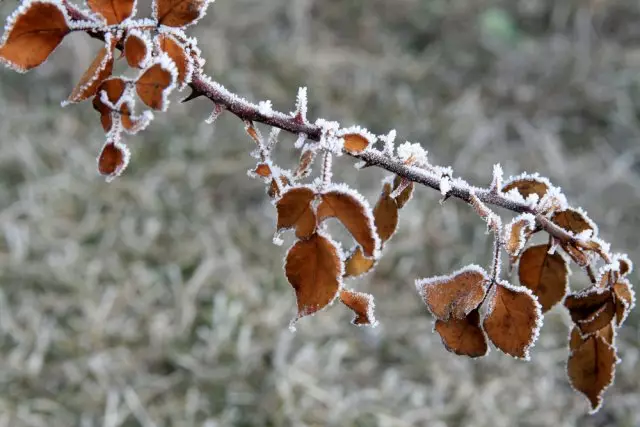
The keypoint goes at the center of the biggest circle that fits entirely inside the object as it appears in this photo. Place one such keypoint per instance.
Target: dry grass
(159, 299)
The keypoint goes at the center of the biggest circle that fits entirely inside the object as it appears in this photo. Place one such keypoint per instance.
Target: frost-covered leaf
(113, 11)
(179, 13)
(591, 309)
(513, 319)
(404, 190)
(314, 269)
(527, 184)
(295, 211)
(362, 305)
(113, 159)
(156, 82)
(385, 214)
(357, 264)
(625, 299)
(355, 143)
(463, 336)
(591, 368)
(518, 232)
(575, 221)
(578, 255)
(304, 165)
(137, 49)
(98, 71)
(178, 55)
(455, 295)
(277, 185)
(32, 33)
(350, 208)
(114, 89)
(547, 275)
(263, 170)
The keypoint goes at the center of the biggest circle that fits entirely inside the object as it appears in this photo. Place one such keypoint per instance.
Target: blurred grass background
(159, 299)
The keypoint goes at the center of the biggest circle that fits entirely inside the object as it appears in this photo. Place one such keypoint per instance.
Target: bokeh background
(160, 300)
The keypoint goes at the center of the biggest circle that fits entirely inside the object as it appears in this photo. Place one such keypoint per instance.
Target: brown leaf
(179, 13)
(517, 233)
(136, 49)
(32, 33)
(295, 211)
(155, 83)
(361, 304)
(547, 275)
(591, 309)
(113, 159)
(575, 221)
(578, 255)
(355, 143)
(98, 71)
(455, 295)
(306, 161)
(178, 55)
(527, 185)
(357, 264)
(463, 336)
(407, 192)
(275, 187)
(353, 212)
(591, 368)
(114, 87)
(313, 267)
(114, 11)
(513, 319)
(263, 170)
(385, 215)
(625, 299)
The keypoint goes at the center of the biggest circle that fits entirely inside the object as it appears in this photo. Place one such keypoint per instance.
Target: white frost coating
(619, 259)
(445, 185)
(535, 333)
(265, 108)
(413, 153)
(147, 44)
(277, 239)
(302, 137)
(553, 201)
(428, 282)
(217, 111)
(522, 224)
(21, 10)
(368, 212)
(273, 138)
(140, 122)
(301, 104)
(338, 248)
(328, 139)
(388, 140)
(167, 64)
(536, 177)
(496, 181)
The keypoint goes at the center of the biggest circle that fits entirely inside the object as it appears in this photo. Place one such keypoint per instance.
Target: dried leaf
(575, 221)
(625, 299)
(32, 33)
(361, 304)
(178, 55)
(295, 211)
(576, 338)
(114, 11)
(113, 159)
(527, 185)
(355, 143)
(275, 187)
(353, 212)
(578, 255)
(518, 232)
(385, 215)
(314, 269)
(406, 194)
(591, 368)
(513, 319)
(263, 170)
(547, 275)
(463, 336)
(98, 71)
(357, 264)
(306, 161)
(591, 309)
(137, 49)
(155, 83)
(179, 13)
(455, 295)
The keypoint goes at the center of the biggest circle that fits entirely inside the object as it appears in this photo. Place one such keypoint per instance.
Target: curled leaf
(357, 264)
(314, 269)
(455, 295)
(463, 336)
(518, 232)
(362, 305)
(513, 319)
(32, 33)
(98, 71)
(295, 211)
(178, 55)
(404, 188)
(547, 275)
(137, 49)
(385, 215)
(528, 184)
(591, 309)
(625, 299)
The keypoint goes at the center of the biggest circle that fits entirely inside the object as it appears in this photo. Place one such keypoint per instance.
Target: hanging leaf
(385, 215)
(113, 11)
(354, 213)
(575, 221)
(361, 304)
(179, 13)
(463, 336)
(518, 232)
(295, 211)
(625, 300)
(591, 309)
(314, 269)
(547, 275)
(591, 368)
(32, 33)
(357, 264)
(513, 319)
(527, 184)
(113, 159)
(114, 88)
(137, 49)
(275, 187)
(156, 82)
(406, 194)
(98, 71)
(454, 295)
(178, 55)
(306, 161)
